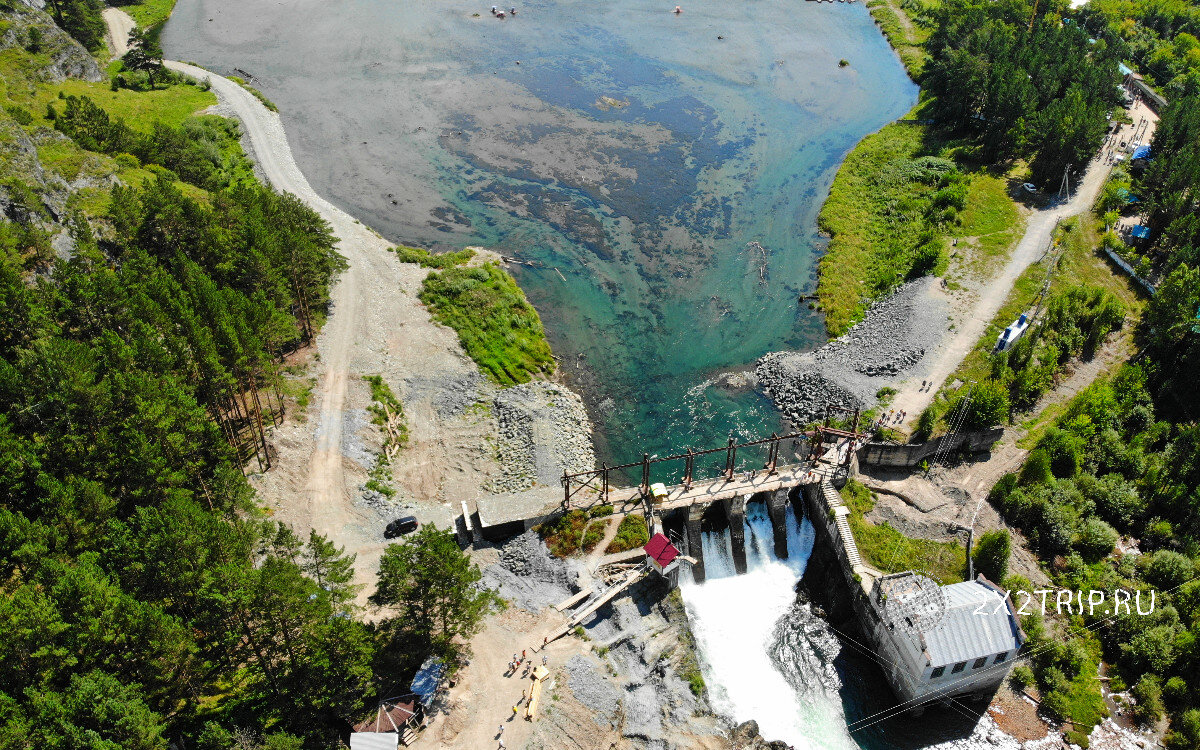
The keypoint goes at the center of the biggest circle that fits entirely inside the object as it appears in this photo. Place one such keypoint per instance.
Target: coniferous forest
(145, 598)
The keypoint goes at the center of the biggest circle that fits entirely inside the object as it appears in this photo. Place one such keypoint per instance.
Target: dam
(933, 643)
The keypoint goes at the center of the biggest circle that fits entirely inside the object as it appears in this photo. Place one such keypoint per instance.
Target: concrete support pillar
(778, 508)
(695, 549)
(735, 513)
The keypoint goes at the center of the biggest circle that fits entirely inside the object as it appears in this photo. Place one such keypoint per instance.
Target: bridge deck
(706, 491)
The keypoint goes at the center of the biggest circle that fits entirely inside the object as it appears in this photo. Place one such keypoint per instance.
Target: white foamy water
(767, 658)
(735, 620)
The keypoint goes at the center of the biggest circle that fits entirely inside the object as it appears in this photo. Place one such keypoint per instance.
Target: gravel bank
(896, 335)
(593, 690)
(528, 576)
(543, 429)
(631, 687)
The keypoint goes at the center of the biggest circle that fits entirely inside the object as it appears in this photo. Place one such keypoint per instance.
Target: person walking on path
(522, 654)
(500, 732)
(544, 660)
(502, 745)
(522, 696)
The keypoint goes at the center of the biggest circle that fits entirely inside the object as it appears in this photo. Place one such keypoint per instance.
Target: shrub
(1148, 694)
(1169, 569)
(1052, 679)
(566, 534)
(1115, 499)
(1185, 731)
(426, 259)
(929, 260)
(1054, 531)
(631, 534)
(1175, 691)
(989, 406)
(991, 555)
(926, 422)
(1096, 539)
(19, 113)
(497, 326)
(1036, 469)
(1158, 533)
(1056, 706)
(1065, 450)
(1021, 677)
(1002, 489)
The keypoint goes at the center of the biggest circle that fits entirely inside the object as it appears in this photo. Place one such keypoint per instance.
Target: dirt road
(971, 323)
(376, 325)
(119, 25)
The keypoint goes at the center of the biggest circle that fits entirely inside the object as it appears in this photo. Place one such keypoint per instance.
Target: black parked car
(400, 526)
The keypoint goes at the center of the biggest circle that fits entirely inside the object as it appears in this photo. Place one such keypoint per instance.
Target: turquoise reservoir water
(630, 156)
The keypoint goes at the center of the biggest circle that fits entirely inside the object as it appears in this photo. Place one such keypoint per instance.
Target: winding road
(325, 489)
(376, 325)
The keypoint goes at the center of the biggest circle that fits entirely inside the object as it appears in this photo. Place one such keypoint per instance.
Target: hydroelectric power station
(933, 642)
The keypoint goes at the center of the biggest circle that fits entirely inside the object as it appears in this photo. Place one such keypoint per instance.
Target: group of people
(498, 12)
(514, 666)
(892, 417)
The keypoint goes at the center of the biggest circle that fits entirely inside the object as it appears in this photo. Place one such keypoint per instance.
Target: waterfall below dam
(764, 656)
(767, 657)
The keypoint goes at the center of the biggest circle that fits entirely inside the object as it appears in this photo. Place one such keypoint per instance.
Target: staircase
(833, 501)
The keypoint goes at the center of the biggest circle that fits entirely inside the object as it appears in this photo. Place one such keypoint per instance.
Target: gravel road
(376, 326)
(907, 337)
(971, 323)
(119, 25)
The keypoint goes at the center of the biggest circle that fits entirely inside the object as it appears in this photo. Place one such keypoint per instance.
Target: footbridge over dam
(677, 502)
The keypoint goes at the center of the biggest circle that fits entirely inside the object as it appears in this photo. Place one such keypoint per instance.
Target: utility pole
(1064, 190)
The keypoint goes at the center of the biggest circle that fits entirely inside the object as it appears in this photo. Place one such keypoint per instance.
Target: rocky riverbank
(543, 429)
(628, 678)
(898, 333)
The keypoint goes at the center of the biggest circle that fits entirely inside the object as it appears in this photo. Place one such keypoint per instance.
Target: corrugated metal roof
(977, 623)
(661, 550)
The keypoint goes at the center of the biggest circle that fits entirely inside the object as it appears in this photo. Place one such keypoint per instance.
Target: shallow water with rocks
(660, 175)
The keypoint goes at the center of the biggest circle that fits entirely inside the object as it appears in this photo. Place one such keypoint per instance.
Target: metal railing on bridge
(600, 480)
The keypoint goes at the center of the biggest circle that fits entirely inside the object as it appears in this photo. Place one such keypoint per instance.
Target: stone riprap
(890, 343)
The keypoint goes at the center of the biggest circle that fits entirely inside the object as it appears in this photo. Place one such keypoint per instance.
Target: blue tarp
(1141, 152)
(1125, 70)
(429, 676)
(1140, 232)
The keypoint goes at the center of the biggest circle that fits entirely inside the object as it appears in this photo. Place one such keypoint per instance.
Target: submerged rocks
(886, 346)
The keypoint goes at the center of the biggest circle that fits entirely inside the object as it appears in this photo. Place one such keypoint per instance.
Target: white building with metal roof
(944, 641)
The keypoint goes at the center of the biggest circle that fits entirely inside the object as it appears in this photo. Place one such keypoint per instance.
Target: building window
(936, 673)
(1001, 657)
(958, 667)
(979, 662)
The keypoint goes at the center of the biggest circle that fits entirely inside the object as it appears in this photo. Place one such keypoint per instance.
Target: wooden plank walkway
(568, 603)
(595, 604)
